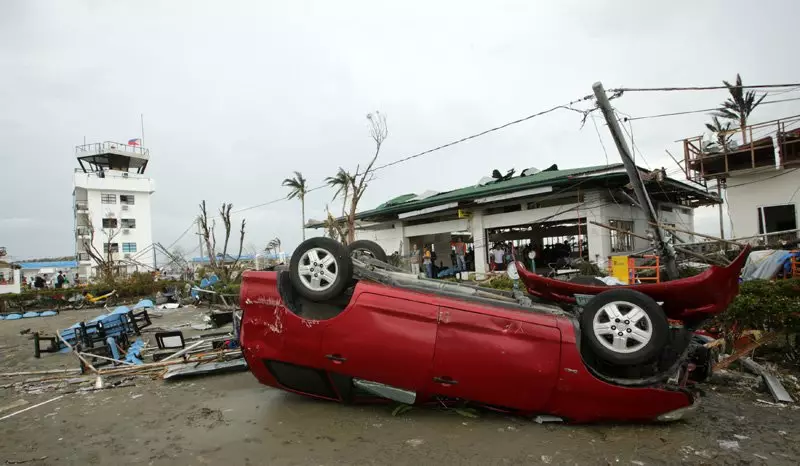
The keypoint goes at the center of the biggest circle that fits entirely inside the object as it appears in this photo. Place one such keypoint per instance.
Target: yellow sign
(619, 268)
(464, 214)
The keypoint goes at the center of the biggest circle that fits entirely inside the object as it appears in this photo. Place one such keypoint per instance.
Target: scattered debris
(547, 459)
(415, 442)
(541, 419)
(185, 370)
(729, 444)
(775, 387)
(41, 458)
(31, 407)
(740, 437)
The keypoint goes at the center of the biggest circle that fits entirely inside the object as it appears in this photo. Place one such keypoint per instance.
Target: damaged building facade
(540, 207)
(760, 177)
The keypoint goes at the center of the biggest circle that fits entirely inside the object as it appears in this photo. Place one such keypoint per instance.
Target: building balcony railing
(704, 159)
(83, 257)
(106, 147)
(81, 206)
(83, 232)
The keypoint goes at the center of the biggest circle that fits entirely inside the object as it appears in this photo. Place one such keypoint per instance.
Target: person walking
(427, 260)
(497, 254)
(415, 260)
(461, 253)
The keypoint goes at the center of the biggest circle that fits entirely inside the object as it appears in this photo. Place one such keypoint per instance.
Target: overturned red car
(341, 324)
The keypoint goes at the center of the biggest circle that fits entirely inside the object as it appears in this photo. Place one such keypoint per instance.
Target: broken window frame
(128, 223)
(762, 212)
(114, 247)
(622, 242)
(108, 223)
(127, 199)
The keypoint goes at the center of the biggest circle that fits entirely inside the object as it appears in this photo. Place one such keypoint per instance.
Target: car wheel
(624, 326)
(320, 269)
(369, 248)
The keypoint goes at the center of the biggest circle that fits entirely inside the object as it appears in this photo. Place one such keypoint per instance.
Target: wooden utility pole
(664, 249)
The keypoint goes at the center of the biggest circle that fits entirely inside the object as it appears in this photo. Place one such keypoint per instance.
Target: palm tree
(342, 181)
(739, 105)
(298, 190)
(721, 130)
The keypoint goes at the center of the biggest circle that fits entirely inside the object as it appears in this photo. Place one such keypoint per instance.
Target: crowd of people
(43, 281)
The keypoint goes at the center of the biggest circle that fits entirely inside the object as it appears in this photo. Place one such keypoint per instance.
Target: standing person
(415, 259)
(77, 280)
(59, 280)
(427, 260)
(461, 253)
(39, 282)
(498, 257)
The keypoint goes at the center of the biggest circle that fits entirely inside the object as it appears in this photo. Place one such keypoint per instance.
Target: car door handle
(445, 380)
(336, 358)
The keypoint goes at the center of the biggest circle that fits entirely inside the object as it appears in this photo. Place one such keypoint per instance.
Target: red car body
(691, 299)
(438, 346)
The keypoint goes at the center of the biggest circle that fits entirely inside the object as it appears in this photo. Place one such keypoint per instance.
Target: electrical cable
(698, 88)
(704, 110)
(566, 106)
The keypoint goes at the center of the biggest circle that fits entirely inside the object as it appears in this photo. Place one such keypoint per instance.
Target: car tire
(320, 269)
(618, 340)
(370, 247)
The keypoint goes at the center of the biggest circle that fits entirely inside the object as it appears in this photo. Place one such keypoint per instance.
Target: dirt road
(231, 419)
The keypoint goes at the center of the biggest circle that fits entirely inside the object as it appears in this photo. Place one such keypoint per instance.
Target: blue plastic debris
(13, 316)
(30, 314)
(48, 314)
(143, 304)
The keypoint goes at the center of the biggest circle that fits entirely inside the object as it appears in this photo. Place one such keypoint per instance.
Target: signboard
(619, 268)
(464, 214)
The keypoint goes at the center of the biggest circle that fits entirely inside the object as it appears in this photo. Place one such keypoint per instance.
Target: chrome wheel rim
(318, 269)
(622, 327)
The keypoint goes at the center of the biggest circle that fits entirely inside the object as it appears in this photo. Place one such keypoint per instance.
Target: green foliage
(137, 286)
(771, 305)
(501, 282)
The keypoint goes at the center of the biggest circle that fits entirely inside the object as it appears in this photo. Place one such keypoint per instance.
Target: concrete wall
(746, 193)
(390, 236)
(11, 287)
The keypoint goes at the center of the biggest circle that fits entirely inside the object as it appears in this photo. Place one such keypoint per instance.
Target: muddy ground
(231, 419)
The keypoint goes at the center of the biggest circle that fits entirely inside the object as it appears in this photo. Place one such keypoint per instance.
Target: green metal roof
(401, 204)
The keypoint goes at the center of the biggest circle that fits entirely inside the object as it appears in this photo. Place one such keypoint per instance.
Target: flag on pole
(134, 142)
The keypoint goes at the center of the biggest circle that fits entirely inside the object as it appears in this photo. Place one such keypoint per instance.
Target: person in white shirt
(497, 258)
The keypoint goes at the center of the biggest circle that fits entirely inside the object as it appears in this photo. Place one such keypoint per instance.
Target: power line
(765, 179)
(600, 138)
(704, 110)
(697, 88)
(566, 106)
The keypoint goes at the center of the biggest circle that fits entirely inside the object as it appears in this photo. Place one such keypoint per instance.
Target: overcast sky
(237, 95)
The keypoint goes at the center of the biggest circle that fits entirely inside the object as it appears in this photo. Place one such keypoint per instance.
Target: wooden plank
(745, 351)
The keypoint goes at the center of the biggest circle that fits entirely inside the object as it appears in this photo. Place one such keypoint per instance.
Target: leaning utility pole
(664, 249)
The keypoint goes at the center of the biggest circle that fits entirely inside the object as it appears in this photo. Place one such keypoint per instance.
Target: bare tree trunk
(743, 127)
(303, 215)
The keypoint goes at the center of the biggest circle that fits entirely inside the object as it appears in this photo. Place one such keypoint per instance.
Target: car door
(495, 360)
(382, 338)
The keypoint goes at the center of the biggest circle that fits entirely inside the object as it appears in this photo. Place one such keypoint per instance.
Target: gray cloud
(236, 95)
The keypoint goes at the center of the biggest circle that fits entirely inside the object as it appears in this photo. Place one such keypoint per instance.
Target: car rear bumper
(680, 413)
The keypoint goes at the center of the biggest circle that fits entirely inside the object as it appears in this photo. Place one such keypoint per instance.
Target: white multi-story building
(112, 206)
